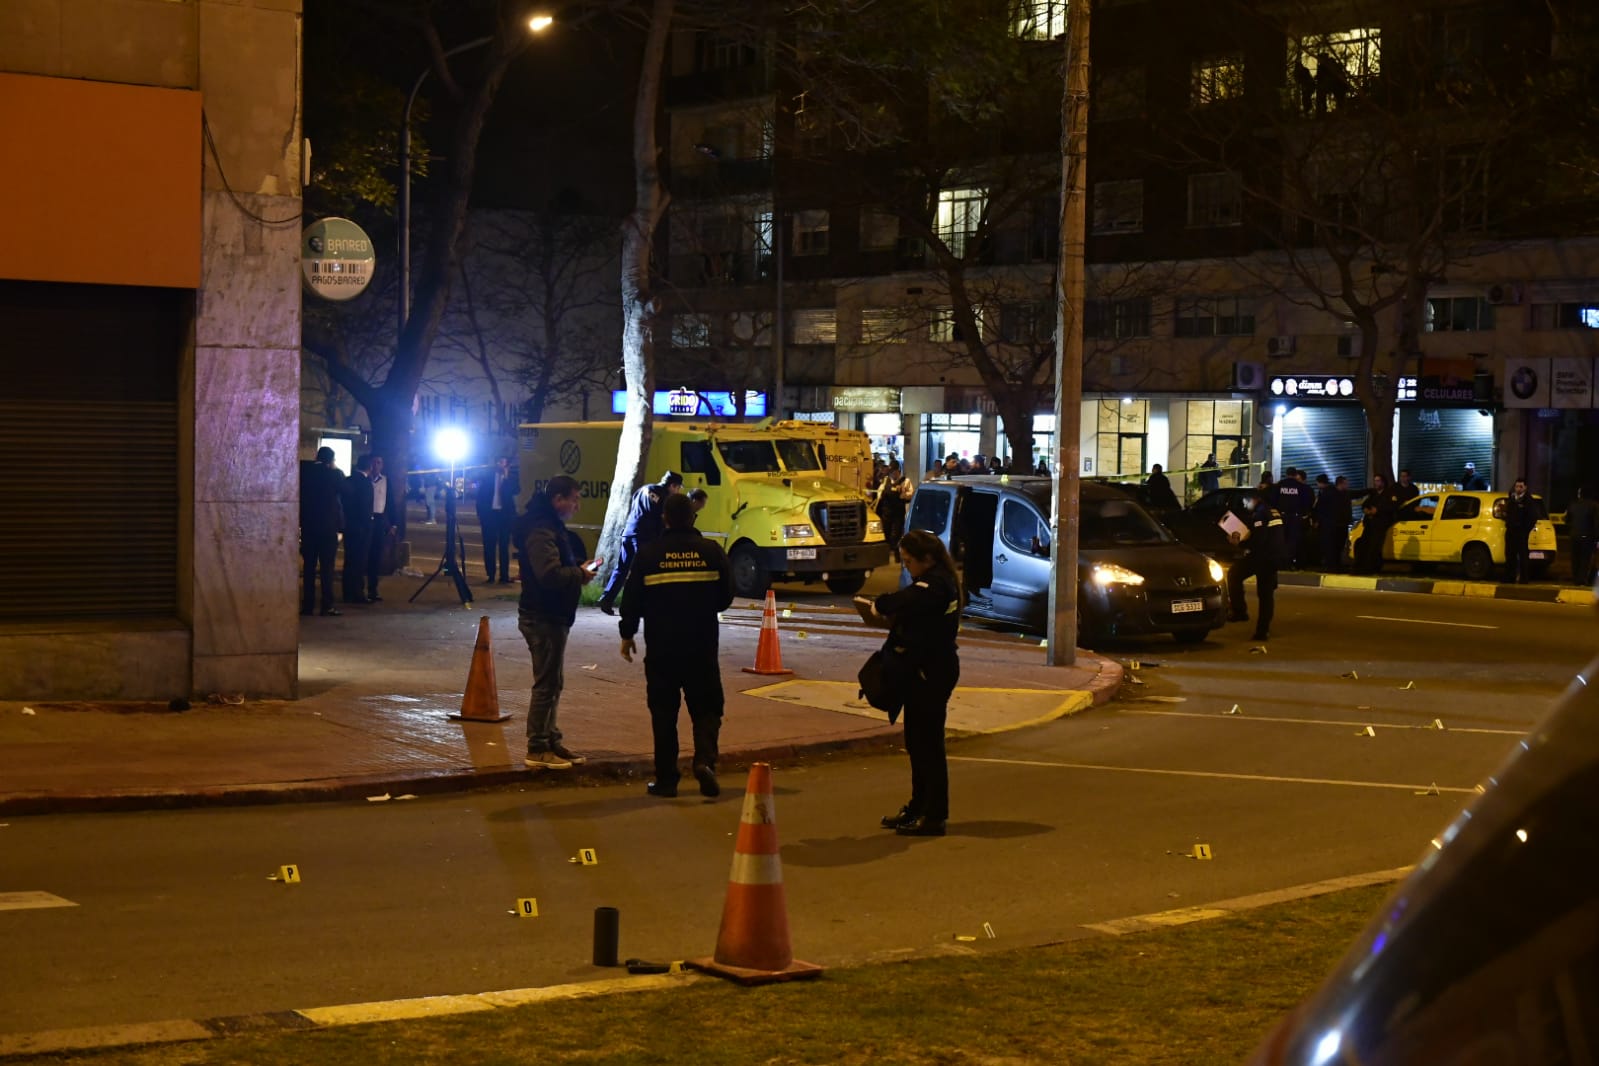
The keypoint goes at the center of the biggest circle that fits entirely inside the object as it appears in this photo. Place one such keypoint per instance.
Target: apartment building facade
(1212, 323)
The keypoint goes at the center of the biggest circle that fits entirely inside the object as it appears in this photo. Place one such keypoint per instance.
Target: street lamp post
(535, 24)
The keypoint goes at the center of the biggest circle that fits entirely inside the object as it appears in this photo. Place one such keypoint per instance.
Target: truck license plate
(1535, 555)
(802, 553)
(1187, 606)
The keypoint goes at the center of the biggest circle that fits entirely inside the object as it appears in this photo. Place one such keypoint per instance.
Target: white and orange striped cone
(768, 653)
(481, 701)
(752, 947)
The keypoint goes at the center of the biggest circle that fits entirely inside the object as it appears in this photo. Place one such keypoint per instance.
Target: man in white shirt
(380, 528)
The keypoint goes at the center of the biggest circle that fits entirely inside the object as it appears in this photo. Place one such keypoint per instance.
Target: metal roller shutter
(89, 451)
(1326, 440)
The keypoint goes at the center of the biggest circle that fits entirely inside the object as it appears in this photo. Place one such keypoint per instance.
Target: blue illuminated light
(711, 404)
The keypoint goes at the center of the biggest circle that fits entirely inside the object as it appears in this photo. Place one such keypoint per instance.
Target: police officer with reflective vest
(643, 525)
(678, 585)
(1265, 540)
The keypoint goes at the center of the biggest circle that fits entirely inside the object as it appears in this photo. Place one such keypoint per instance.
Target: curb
(1488, 590)
(1102, 688)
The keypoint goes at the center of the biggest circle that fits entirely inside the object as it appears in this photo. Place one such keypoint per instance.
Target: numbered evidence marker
(588, 857)
(527, 908)
(1201, 851)
(289, 874)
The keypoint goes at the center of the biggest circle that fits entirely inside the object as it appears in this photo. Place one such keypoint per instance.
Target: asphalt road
(1084, 820)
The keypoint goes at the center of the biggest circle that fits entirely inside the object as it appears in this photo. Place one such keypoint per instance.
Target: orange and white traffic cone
(768, 654)
(753, 947)
(481, 701)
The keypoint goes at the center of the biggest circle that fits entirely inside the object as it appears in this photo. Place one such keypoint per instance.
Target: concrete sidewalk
(379, 682)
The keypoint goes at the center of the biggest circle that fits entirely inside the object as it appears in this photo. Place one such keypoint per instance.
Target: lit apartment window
(1326, 68)
(1119, 206)
(1214, 316)
(884, 325)
(810, 232)
(1565, 316)
(1456, 314)
(1116, 319)
(1218, 78)
(1214, 200)
(941, 328)
(814, 325)
(691, 331)
(1039, 20)
(959, 212)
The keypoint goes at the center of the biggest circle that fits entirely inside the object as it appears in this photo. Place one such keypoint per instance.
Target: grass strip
(1190, 995)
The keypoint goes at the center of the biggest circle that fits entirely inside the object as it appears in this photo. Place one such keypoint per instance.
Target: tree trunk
(1016, 408)
(638, 296)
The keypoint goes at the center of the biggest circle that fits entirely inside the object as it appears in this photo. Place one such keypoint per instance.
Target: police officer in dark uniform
(1261, 561)
(643, 526)
(678, 585)
(1293, 502)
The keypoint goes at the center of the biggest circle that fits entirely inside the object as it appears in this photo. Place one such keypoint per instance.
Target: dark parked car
(1134, 578)
(1488, 952)
(1196, 525)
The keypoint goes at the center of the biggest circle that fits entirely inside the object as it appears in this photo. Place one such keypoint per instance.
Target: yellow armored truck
(770, 503)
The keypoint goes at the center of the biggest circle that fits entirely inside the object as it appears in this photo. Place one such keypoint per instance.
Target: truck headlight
(874, 526)
(1111, 574)
(802, 531)
(1217, 572)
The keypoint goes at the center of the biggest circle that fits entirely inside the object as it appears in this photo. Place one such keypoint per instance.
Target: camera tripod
(448, 564)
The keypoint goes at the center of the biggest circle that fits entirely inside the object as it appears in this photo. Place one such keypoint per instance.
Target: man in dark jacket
(496, 511)
(553, 576)
(1161, 497)
(1522, 512)
(1332, 523)
(1471, 481)
(643, 526)
(321, 519)
(1293, 502)
(1582, 523)
(1380, 510)
(357, 501)
(1406, 489)
(1261, 561)
(678, 585)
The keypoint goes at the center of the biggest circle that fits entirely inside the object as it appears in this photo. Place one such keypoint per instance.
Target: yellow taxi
(1460, 527)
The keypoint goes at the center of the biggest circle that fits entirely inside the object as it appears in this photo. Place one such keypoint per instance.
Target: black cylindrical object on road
(607, 931)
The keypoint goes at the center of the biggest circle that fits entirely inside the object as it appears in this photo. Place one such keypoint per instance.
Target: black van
(1134, 577)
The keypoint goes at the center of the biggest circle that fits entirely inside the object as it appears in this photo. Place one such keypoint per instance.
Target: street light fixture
(535, 24)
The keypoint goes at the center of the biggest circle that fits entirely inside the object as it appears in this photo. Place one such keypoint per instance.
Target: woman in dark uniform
(925, 618)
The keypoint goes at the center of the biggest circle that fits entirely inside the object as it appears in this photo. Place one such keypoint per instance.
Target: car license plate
(1187, 606)
(1536, 555)
(802, 553)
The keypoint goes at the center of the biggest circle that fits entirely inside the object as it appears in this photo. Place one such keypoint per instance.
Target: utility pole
(1062, 634)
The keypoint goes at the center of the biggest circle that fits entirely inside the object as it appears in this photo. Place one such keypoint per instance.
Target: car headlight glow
(874, 526)
(1217, 572)
(1111, 574)
(801, 531)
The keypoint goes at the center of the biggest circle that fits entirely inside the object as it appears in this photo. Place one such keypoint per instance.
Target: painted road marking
(1184, 915)
(1430, 727)
(1422, 621)
(31, 901)
(1214, 774)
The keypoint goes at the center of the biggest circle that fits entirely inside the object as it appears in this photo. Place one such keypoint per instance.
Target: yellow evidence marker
(527, 908)
(289, 874)
(1201, 851)
(587, 857)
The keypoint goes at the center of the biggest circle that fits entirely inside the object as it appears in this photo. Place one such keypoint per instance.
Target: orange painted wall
(99, 183)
